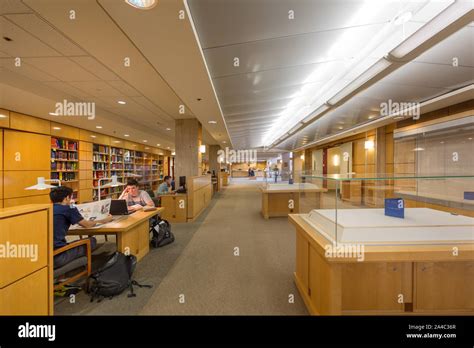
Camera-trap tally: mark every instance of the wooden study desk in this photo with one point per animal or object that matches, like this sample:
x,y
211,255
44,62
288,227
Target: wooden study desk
x,y
132,232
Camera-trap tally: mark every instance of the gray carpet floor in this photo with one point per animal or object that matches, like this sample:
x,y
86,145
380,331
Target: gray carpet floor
x,y
230,261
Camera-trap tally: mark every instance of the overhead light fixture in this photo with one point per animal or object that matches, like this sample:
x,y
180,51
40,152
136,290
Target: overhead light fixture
x,y
54,114
402,18
126,135
202,148
116,141
224,142
93,136
212,122
336,160
98,127
173,153
316,113
145,141
122,102
369,144
168,129
147,148
168,147
158,144
142,4
56,128
372,117
363,78
418,149
439,23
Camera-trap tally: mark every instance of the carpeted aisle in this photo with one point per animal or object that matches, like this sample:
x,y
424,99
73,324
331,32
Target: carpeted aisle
x,y
208,278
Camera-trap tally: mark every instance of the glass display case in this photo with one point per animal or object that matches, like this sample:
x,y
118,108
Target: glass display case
x,y
387,209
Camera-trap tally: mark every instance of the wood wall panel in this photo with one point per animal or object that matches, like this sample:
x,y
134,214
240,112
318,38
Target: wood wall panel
x,y
65,131
34,150
4,118
43,198
29,123
16,181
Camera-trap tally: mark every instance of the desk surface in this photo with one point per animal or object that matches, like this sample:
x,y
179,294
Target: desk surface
x,y
125,224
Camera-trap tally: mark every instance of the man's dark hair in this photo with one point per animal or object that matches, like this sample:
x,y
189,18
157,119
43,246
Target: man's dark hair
x,y
132,182
167,177
58,194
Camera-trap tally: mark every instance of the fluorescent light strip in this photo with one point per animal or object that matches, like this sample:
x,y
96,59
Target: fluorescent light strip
x,y
433,27
362,79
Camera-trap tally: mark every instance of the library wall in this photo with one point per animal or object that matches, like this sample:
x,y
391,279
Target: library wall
x,y
31,147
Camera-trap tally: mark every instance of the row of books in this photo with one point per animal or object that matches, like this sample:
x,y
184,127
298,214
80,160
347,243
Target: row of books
x,y
64,155
64,166
116,158
57,143
116,151
64,176
100,158
100,148
100,166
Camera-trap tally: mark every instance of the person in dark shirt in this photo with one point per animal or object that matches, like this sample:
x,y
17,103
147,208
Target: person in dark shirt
x,y
64,217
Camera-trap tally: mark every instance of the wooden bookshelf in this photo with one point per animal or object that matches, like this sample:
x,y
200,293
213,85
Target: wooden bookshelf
x,y
65,163
100,168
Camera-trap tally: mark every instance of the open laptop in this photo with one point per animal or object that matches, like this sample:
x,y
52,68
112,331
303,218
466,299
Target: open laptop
x,y
119,207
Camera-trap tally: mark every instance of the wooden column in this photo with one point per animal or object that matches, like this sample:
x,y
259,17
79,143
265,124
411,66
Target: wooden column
x,y
188,138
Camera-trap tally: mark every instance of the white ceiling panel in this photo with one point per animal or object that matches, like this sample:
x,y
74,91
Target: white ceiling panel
x,y
97,88
96,68
47,34
26,70
62,68
283,52
67,88
124,88
23,44
221,22
13,6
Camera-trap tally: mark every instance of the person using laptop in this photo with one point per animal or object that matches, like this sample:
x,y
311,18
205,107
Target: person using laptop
x,y
166,186
136,199
64,215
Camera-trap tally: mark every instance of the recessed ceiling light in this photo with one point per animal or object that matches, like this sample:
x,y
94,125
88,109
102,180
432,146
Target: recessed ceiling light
x,y
122,102
224,142
168,147
116,141
212,122
93,136
98,127
158,144
145,141
3,116
56,128
142,4
168,129
147,148
53,114
126,135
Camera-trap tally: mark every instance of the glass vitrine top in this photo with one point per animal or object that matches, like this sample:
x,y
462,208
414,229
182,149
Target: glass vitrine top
x,y
380,176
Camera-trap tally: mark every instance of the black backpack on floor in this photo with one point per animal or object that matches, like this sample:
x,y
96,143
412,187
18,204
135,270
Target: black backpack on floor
x,y
114,277
162,235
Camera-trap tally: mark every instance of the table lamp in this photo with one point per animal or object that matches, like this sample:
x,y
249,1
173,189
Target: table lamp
x,y
114,183
41,185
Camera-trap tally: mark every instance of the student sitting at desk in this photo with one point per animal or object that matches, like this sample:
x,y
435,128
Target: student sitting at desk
x,y
165,186
64,217
136,198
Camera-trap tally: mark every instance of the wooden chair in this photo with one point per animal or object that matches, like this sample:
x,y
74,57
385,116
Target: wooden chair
x,y
83,261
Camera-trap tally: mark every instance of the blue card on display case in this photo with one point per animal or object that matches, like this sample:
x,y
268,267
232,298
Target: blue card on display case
x,y
395,207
